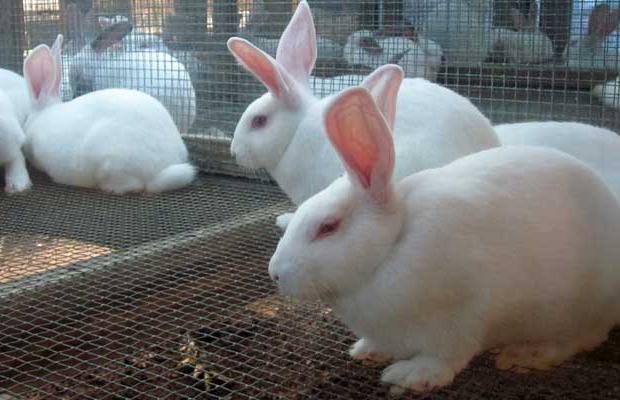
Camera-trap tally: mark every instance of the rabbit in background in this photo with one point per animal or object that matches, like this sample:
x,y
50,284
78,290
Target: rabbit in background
x,y
116,140
525,43
462,28
156,73
596,49
134,41
418,56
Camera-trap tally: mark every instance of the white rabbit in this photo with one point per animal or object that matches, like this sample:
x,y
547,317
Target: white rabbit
x,y
155,73
117,140
463,30
513,248
580,25
418,58
135,41
14,109
597,147
590,51
281,131
526,43
15,87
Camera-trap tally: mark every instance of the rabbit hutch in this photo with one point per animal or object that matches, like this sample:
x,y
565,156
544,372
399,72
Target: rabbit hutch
x,y
167,296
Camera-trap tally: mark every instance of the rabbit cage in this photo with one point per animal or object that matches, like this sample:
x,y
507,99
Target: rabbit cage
x,y
168,296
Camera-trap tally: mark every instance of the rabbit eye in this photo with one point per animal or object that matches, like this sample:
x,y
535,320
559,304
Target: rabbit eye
x,y
326,229
259,122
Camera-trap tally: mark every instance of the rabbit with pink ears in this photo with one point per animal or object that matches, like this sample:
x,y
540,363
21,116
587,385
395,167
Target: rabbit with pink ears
x,y
513,248
116,140
282,130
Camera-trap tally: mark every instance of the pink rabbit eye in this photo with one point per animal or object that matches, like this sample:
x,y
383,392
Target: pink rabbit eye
x,y
259,121
326,229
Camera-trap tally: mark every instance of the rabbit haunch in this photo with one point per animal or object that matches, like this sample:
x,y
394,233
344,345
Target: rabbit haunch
x,y
117,140
510,248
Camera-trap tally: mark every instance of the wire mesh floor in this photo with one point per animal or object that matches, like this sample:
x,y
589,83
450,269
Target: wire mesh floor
x,y
167,297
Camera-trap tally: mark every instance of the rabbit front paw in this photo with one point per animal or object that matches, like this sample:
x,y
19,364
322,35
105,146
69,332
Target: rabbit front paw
x,y
421,374
364,350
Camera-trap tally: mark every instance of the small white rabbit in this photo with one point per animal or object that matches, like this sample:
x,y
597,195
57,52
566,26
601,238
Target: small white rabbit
x,y
14,109
591,51
597,147
526,43
463,30
419,58
281,131
155,73
117,140
513,248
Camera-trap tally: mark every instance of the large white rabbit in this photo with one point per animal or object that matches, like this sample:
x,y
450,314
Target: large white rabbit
x,y
117,140
598,147
281,131
513,248
14,109
156,73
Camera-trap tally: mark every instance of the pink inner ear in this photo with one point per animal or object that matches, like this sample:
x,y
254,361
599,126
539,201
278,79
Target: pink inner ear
x,y
297,47
258,63
384,84
39,69
360,134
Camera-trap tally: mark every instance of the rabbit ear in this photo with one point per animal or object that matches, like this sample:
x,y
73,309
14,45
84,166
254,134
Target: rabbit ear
x,y
40,73
110,36
265,69
57,57
603,21
360,134
297,47
384,84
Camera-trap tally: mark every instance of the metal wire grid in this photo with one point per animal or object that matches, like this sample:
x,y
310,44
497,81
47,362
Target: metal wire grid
x,y
538,83
168,296
182,307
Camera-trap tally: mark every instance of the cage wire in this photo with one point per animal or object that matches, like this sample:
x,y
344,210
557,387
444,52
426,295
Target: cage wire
x,y
167,296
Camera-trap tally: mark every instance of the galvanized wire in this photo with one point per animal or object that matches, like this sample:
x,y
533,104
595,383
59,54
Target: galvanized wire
x,y
167,296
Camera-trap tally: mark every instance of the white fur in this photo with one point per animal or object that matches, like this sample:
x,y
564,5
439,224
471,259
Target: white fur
x,y
156,73
509,248
419,59
608,93
462,28
597,147
434,126
117,140
14,109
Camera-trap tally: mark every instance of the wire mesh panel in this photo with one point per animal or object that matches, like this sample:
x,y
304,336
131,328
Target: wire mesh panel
x,y
168,296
